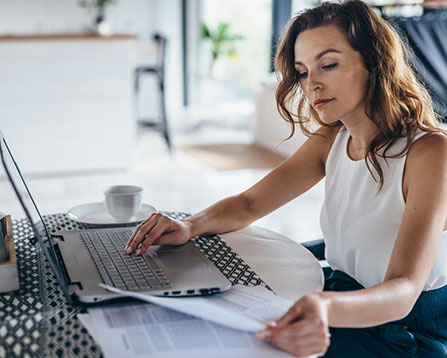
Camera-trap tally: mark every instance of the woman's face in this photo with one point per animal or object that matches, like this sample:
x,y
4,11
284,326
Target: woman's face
x,y
332,74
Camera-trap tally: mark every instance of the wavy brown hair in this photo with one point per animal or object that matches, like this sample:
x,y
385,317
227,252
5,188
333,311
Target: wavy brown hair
x,y
396,100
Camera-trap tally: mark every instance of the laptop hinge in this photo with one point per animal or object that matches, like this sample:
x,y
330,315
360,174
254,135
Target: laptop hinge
x,y
62,265
33,240
76,284
59,237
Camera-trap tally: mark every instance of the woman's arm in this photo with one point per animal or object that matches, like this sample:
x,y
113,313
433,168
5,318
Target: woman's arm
x,y
296,175
412,259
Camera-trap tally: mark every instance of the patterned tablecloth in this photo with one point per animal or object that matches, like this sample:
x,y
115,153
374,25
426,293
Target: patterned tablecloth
x,y
37,321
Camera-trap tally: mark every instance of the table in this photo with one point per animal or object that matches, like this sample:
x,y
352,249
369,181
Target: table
x,y
287,267
38,321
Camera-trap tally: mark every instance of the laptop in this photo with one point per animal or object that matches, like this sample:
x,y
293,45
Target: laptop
x,y
81,259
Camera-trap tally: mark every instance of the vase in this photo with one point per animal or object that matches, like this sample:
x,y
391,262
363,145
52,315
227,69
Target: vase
x,y
102,27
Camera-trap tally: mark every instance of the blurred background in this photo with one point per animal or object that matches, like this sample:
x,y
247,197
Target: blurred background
x,y
174,95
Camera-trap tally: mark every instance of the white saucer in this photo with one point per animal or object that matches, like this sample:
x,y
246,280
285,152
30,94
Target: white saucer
x,y
96,214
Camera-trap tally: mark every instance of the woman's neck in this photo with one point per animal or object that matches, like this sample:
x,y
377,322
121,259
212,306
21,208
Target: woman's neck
x,y
362,132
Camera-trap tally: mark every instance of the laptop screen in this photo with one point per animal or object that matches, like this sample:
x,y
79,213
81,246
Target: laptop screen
x,y
31,211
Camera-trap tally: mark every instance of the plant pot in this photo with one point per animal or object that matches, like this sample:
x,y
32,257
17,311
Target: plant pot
x,y
102,26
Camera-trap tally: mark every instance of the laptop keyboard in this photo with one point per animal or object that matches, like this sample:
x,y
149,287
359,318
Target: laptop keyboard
x,y
118,269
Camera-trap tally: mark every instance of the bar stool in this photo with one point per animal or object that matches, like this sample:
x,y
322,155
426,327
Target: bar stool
x,y
158,70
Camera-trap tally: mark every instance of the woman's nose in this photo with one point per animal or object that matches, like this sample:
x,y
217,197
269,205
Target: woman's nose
x,y
313,82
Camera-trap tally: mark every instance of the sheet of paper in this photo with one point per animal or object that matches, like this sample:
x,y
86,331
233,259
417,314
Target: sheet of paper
x,y
144,330
243,308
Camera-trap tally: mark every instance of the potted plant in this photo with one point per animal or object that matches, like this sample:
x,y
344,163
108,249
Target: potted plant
x,y
222,43
101,26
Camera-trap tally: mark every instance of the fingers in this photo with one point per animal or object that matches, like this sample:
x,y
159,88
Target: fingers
x,y
299,329
139,234
304,338
291,315
157,229
308,346
137,231
147,232
150,238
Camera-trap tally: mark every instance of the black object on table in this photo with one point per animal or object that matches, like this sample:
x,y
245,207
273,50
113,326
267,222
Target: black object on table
x,y
4,253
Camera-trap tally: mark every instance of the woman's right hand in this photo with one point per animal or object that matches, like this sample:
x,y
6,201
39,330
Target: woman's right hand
x,y
158,229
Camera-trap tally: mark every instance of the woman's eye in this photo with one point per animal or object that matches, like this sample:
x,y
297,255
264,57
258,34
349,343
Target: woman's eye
x,y
330,67
302,75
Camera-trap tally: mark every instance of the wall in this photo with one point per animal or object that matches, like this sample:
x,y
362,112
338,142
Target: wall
x,y
270,130
140,17
44,16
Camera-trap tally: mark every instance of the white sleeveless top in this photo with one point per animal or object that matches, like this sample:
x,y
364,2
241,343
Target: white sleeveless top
x,y
359,224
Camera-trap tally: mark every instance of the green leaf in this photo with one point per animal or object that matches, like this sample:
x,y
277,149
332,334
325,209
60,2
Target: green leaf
x,y
220,38
222,28
206,31
96,4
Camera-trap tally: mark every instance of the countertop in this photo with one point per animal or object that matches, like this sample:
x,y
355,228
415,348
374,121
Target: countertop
x,y
67,37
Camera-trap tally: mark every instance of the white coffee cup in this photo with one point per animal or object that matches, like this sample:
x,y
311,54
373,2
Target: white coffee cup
x,y
123,201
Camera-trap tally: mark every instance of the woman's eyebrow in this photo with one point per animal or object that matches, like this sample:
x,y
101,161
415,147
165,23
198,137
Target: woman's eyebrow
x,y
320,55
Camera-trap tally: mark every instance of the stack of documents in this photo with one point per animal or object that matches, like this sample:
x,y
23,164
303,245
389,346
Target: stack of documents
x,y
212,326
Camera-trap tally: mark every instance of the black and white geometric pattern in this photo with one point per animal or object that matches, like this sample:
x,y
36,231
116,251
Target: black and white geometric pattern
x,y
38,321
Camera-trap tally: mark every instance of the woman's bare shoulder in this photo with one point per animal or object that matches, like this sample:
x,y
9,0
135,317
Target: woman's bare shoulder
x,y
430,144
428,154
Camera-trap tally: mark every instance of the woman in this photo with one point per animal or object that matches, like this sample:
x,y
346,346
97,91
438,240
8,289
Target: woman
x,y
384,157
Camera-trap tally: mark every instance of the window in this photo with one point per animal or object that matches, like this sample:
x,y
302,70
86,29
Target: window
x,y
234,76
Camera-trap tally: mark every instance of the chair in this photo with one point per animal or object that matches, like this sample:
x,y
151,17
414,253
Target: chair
x,y
316,247
158,70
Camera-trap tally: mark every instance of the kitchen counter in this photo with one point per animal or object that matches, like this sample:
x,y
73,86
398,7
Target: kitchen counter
x,y
66,101
67,37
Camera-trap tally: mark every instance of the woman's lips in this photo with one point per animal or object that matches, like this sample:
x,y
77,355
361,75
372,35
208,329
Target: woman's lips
x,y
320,104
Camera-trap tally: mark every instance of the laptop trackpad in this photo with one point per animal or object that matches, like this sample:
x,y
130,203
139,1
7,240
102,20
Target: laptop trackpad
x,y
177,259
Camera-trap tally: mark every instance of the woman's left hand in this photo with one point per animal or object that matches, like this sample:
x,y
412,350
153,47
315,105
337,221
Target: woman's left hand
x,y
303,330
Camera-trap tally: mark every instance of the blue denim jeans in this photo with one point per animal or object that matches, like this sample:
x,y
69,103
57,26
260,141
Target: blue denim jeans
x,y
422,333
